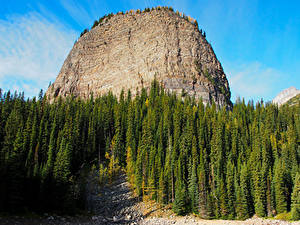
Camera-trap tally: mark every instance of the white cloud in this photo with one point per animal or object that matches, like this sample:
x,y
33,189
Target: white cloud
x,y
32,50
255,81
83,14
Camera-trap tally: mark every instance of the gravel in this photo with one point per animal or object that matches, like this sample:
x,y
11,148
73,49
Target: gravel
x,y
112,204
197,221
115,204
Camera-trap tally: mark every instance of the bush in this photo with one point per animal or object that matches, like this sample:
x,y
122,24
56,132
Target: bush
x,y
95,24
284,216
103,175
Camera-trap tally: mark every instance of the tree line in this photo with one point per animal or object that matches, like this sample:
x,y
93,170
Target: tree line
x,y
201,159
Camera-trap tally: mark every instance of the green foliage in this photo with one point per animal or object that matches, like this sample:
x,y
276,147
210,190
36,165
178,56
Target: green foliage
x,y
209,76
95,24
215,163
171,9
281,194
103,175
180,204
193,189
284,216
84,32
295,214
231,190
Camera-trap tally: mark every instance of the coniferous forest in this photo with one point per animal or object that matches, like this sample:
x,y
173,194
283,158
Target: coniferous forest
x,y
216,163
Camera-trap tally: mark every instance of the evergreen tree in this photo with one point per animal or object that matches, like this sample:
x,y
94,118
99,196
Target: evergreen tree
x,y
193,188
202,183
180,203
243,194
280,188
203,159
15,172
231,190
61,170
296,199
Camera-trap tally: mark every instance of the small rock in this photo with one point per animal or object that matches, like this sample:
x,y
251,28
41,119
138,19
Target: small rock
x,y
94,217
128,217
50,218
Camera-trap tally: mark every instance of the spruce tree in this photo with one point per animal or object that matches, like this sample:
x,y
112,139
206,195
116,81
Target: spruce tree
x,y
180,203
203,187
231,190
15,172
280,187
193,188
295,215
243,195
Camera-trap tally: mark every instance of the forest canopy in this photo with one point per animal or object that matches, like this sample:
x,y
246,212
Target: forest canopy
x,y
204,160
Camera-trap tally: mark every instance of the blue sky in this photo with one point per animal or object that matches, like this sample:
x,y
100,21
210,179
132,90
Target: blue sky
x,y
256,41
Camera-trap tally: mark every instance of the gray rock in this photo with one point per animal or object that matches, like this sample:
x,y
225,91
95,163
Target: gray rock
x,y
285,96
128,51
128,217
50,218
94,218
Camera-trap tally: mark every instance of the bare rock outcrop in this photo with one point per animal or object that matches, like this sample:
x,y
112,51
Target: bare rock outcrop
x,y
285,96
126,51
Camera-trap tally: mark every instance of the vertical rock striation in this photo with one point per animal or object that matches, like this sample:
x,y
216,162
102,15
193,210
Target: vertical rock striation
x,y
127,51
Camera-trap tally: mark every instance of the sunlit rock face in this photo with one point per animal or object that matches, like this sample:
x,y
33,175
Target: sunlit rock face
x,y
127,51
286,95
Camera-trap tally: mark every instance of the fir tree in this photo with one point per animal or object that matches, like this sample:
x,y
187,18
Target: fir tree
x,y
231,190
280,188
296,199
193,188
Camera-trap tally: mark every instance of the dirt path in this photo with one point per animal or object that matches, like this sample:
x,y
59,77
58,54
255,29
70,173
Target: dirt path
x,y
115,203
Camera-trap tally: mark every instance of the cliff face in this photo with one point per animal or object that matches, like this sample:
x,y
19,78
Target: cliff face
x,y
128,51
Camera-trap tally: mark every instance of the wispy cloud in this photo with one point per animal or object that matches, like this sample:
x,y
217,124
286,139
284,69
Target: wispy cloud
x,y
84,13
32,50
77,12
255,81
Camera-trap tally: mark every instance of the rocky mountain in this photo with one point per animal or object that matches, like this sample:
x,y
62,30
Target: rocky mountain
x,y
286,95
128,50
294,100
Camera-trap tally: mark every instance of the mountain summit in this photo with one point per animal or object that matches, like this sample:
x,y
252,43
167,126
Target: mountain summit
x,y
285,95
128,50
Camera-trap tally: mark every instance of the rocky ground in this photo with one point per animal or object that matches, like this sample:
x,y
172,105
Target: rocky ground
x,y
115,204
112,204
196,221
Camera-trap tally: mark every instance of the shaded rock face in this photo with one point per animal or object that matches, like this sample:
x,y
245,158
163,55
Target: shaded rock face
x,y
285,96
129,51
